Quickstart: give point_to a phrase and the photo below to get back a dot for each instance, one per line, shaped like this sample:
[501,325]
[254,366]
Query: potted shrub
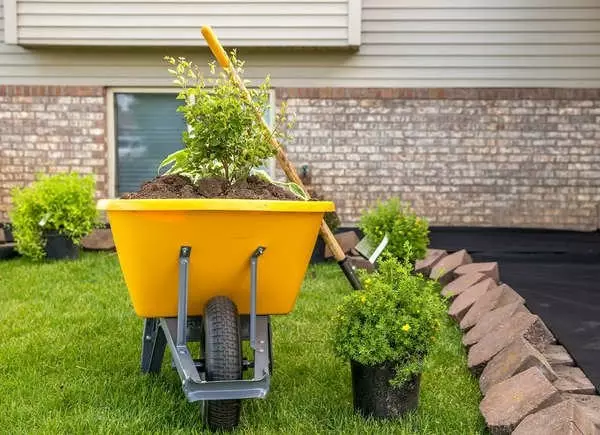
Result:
[51,215]
[386,331]
[402,225]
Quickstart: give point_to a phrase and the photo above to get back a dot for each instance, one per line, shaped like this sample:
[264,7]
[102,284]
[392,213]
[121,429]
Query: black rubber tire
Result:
[223,360]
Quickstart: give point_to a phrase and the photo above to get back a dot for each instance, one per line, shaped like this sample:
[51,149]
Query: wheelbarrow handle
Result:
[285,164]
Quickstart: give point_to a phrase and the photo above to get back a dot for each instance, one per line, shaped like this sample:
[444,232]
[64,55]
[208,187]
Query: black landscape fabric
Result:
[557,272]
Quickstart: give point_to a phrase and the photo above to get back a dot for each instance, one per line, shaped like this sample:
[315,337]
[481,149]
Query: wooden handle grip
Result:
[215,46]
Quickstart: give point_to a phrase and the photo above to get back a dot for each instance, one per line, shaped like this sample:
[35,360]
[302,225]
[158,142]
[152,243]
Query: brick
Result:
[462,283]
[558,356]
[565,418]
[347,240]
[490,269]
[573,380]
[517,357]
[506,404]
[443,271]
[496,297]
[98,240]
[588,411]
[491,320]
[524,325]
[432,257]
[470,296]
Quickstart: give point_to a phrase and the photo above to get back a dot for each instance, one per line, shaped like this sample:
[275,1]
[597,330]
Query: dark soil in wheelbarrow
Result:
[178,186]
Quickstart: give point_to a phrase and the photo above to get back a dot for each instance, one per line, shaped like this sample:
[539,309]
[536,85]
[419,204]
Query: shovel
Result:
[284,162]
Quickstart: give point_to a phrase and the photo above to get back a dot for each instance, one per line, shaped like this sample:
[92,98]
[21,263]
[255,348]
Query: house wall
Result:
[404,44]
[478,113]
[49,129]
[473,157]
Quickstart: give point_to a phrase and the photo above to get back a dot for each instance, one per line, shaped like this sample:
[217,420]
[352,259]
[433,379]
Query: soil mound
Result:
[178,186]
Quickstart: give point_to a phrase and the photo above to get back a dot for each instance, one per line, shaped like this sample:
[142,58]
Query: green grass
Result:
[69,363]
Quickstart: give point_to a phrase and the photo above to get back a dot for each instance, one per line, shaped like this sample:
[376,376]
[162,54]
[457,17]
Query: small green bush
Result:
[394,320]
[63,203]
[401,224]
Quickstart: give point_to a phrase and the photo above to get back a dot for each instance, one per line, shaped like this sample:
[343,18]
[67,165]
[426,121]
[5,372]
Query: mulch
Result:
[557,272]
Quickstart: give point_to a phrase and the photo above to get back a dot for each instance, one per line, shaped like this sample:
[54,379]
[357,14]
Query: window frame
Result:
[111,128]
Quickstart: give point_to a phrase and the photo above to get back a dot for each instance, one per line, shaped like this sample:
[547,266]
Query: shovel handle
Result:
[285,164]
[216,47]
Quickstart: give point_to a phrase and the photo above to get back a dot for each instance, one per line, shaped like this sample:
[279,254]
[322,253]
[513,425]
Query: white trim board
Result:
[354,22]
[10,22]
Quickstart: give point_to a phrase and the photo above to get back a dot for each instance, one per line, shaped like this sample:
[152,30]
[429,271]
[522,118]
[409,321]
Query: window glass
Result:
[147,129]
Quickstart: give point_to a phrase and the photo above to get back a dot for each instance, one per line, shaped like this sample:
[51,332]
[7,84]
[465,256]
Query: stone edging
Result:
[530,383]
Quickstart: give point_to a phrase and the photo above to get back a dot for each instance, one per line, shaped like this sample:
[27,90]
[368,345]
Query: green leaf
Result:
[298,191]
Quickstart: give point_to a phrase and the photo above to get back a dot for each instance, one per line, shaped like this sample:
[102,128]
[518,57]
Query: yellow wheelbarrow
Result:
[213,271]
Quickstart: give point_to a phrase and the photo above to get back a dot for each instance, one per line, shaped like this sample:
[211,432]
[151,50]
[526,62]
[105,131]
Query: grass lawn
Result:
[69,363]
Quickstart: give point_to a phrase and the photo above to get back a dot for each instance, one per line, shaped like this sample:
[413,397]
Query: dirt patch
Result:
[177,186]
[168,186]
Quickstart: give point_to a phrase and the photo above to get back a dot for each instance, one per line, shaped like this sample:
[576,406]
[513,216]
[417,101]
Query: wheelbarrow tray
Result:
[223,234]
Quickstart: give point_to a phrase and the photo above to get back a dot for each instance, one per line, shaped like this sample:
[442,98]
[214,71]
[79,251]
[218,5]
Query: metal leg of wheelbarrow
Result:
[153,346]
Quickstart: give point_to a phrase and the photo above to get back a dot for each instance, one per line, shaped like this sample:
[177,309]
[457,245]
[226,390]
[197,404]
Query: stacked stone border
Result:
[530,383]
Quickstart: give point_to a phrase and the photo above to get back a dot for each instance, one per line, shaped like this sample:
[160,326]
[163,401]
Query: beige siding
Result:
[158,23]
[407,43]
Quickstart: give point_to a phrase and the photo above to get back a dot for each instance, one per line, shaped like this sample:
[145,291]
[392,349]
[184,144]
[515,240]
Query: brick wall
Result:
[500,157]
[50,129]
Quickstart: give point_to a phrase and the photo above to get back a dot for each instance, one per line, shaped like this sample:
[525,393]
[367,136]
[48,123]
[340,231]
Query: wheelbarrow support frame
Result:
[176,332]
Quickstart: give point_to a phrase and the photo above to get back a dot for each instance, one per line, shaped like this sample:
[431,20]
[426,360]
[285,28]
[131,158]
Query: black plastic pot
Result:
[60,247]
[374,396]
[8,235]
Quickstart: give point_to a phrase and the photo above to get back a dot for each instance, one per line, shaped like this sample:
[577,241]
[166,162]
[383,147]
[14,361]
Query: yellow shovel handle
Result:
[215,46]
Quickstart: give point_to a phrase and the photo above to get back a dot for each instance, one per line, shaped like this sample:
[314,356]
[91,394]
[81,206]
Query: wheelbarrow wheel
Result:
[223,360]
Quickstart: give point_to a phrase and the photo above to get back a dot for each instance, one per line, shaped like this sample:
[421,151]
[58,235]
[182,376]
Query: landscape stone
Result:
[560,419]
[527,325]
[462,283]
[99,240]
[506,404]
[573,380]
[347,240]
[591,402]
[466,299]
[443,271]
[588,411]
[558,356]
[491,320]
[432,257]
[489,269]
[360,262]
[2,238]
[515,358]
[496,297]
